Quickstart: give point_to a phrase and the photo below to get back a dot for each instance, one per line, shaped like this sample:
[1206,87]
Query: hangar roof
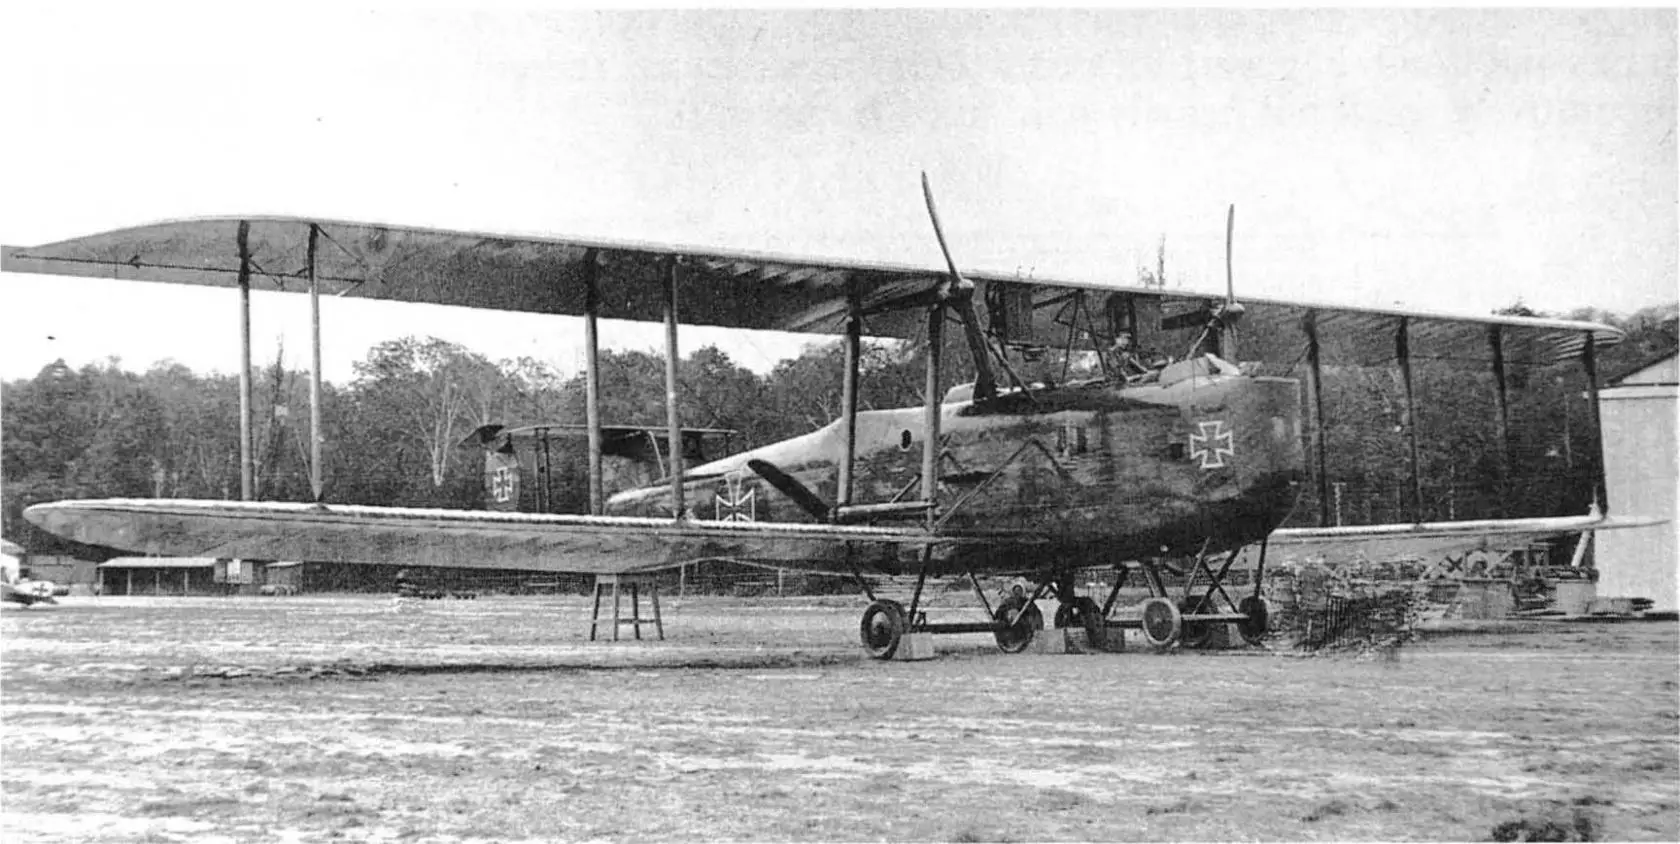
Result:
[159,563]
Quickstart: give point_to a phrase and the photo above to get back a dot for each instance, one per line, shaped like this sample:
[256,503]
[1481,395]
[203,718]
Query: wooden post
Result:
[931,410]
[1502,414]
[849,392]
[672,421]
[247,466]
[314,369]
[1315,388]
[1589,362]
[616,604]
[1403,353]
[545,475]
[592,379]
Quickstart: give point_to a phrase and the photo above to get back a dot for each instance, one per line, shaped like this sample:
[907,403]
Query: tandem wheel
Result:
[1084,612]
[1162,622]
[882,628]
[1195,634]
[1254,628]
[1018,620]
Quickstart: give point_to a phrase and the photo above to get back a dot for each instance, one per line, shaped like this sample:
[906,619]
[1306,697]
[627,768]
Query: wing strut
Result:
[592,378]
[314,369]
[930,425]
[849,391]
[247,465]
[1502,417]
[1589,362]
[671,418]
[1315,387]
[1403,354]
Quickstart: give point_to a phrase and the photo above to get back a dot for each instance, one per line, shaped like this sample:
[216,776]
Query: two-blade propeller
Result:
[1221,320]
[1232,310]
[959,295]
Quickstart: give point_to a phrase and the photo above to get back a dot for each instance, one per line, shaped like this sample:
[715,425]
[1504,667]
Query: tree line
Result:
[392,435]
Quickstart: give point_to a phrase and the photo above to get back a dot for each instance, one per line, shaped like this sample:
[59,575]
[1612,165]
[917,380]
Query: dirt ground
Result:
[309,718]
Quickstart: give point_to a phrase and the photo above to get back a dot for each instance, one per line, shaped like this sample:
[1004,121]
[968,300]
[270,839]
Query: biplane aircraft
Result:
[1157,447]
[17,587]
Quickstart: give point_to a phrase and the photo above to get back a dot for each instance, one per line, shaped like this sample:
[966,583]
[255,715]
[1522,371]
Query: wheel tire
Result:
[1084,612]
[1162,622]
[882,628]
[1023,621]
[1195,634]
[1254,628]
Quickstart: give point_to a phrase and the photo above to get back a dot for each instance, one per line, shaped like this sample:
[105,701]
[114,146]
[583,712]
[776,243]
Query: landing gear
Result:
[1196,634]
[1084,612]
[1253,628]
[1189,616]
[883,627]
[1162,622]
[1016,621]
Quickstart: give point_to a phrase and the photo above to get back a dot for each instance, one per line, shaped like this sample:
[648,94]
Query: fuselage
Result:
[1083,474]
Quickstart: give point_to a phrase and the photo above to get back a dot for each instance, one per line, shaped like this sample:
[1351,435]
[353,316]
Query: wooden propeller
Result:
[959,294]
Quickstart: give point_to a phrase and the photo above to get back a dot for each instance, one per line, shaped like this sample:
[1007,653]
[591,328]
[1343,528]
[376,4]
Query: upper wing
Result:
[467,539]
[728,287]
[1436,539]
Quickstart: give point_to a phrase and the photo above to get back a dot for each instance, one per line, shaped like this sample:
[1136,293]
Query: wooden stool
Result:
[635,582]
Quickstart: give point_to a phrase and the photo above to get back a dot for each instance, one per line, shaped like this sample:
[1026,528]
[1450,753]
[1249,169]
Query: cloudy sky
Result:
[1450,160]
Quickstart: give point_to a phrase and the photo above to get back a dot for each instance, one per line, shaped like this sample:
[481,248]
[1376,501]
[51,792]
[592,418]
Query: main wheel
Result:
[1253,629]
[1018,620]
[1162,623]
[1084,612]
[882,628]
[1196,634]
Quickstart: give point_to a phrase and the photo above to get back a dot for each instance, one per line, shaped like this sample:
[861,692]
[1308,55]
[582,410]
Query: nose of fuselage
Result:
[1267,435]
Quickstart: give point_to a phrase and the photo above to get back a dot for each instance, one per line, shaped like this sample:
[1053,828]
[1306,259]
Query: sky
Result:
[1455,160]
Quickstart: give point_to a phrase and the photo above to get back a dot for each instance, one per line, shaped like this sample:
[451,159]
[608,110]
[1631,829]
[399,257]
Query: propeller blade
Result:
[962,300]
[1230,280]
[985,384]
[957,281]
[1233,309]
[790,486]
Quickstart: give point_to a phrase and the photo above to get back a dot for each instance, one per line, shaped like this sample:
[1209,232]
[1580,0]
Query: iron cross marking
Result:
[736,502]
[1213,444]
[501,484]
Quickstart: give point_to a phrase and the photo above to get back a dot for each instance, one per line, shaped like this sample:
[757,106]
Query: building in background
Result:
[1640,469]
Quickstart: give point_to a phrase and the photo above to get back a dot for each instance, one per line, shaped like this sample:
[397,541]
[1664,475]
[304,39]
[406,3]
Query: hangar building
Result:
[1638,417]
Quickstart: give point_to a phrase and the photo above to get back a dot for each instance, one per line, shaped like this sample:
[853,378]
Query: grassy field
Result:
[311,718]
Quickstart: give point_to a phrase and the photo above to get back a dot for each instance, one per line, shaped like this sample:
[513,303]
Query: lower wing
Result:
[1431,539]
[467,538]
